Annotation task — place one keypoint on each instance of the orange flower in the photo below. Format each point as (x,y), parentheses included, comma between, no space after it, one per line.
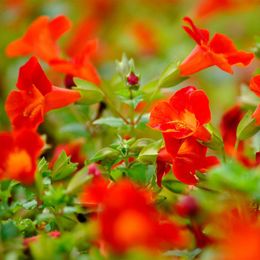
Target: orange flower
(129,220)
(35,97)
(238,235)
(182,116)
(190,158)
(80,65)
(19,152)
(219,51)
(40,38)
(94,193)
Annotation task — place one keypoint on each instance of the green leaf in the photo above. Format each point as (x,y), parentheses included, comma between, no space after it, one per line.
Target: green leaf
(63,167)
(246,127)
(174,186)
(78,180)
(139,144)
(149,153)
(216,141)
(110,121)
(108,154)
(8,230)
(150,87)
(170,76)
(90,93)
(140,173)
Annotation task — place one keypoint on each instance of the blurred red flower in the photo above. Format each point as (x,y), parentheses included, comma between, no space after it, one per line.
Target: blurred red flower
(40,38)
(219,51)
(129,219)
(182,116)
(238,235)
(255,85)
(35,97)
(79,65)
(256,115)
(19,152)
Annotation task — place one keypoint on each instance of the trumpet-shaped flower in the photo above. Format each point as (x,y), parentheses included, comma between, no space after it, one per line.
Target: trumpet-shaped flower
(79,65)
(40,39)
(183,115)
(219,51)
(190,158)
(35,97)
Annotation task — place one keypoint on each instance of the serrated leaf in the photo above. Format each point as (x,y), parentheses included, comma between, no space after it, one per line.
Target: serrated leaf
(63,167)
(110,121)
(90,93)
(246,127)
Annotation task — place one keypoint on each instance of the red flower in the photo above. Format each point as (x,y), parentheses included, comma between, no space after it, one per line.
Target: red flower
(94,193)
(208,7)
(190,158)
(219,51)
(182,116)
(128,220)
(19,152)
(255,85)
(80,65)
(40,38)
(35,97)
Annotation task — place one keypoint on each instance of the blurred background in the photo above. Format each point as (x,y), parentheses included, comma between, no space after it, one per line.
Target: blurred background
(149,31)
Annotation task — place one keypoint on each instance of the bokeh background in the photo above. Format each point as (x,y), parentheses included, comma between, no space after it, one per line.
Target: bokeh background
(147,30)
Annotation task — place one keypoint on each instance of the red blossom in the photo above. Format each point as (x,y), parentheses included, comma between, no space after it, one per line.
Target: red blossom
(219,51)
(190,158)
(40,38)
(19,152)
(35,97)
(255,85)
(182,116)
(129,219)
(79,65)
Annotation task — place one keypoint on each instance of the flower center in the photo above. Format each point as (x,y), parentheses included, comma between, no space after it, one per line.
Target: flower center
(18,162)
(35,103)
(131,227)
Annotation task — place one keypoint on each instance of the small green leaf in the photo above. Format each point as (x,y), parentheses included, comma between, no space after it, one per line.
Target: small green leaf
(216,141)
(149,153)
(110,121)
(90,93)
(139,144)
(247,127)
(63,167)
(174,186)
(107,153)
